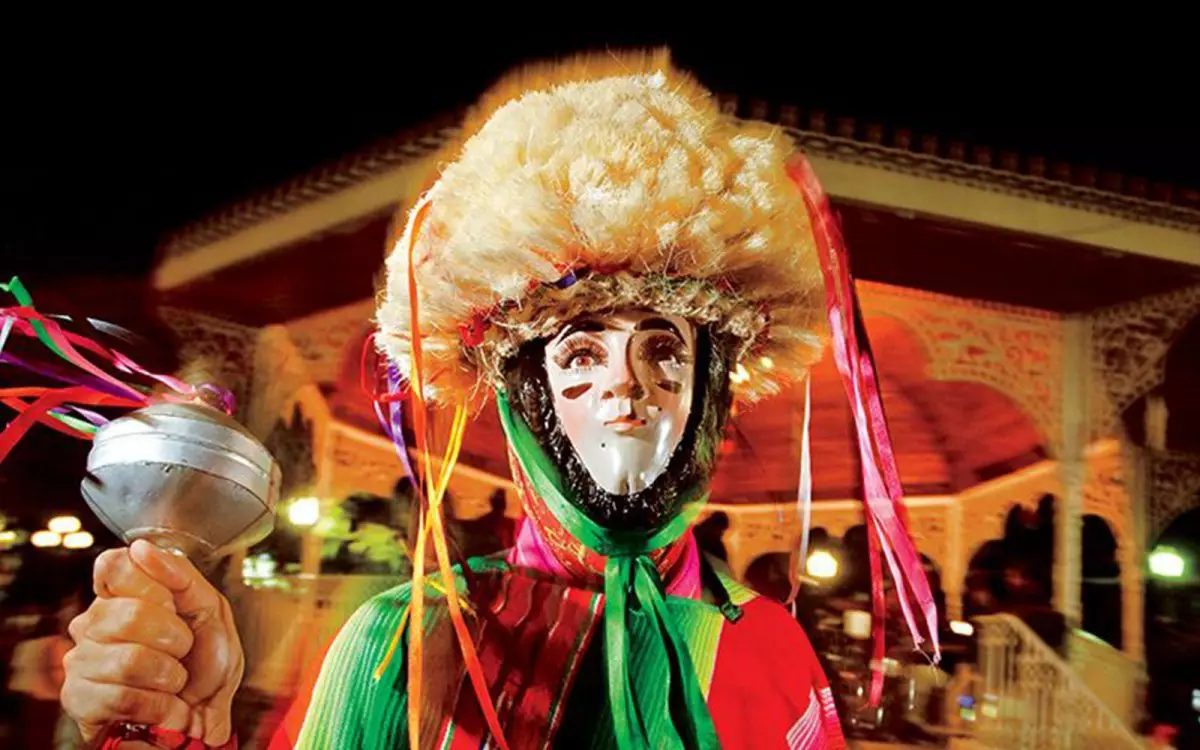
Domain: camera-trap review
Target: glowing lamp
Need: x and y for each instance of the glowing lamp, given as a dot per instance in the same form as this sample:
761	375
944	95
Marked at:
1165	562
45	538
64	524
78	540
304	511
962	627
822	565
857	624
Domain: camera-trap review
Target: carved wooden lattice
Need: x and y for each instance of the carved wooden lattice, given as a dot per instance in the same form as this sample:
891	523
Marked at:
325	340
1016	351
1174	489
1130	343
215	351
291	443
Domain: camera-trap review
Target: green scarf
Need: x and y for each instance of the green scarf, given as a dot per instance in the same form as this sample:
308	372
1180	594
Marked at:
664	707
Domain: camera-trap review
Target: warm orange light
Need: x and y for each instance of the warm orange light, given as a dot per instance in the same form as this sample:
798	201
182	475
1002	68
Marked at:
822	565
45	538
78	540
304	511
64	524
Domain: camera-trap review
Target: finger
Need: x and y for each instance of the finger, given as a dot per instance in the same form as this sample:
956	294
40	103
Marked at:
116	575
126	664
218	725
219	650
133	621
98	703
218	716
195	598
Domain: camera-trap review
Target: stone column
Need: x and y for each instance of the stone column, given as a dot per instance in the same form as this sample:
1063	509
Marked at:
737	547
1156	422
1133	556
1072	463
954	572
1133	564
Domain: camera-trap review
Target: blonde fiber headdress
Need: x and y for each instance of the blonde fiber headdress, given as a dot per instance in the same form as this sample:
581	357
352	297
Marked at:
599	183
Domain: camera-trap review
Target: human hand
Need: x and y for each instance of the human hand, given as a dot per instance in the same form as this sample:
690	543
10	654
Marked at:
158	646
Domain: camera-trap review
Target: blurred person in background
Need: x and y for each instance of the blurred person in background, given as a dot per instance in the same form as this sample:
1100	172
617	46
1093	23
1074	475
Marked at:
50	590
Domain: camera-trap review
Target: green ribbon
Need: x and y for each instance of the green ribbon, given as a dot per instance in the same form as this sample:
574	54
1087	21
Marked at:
18	290
660	704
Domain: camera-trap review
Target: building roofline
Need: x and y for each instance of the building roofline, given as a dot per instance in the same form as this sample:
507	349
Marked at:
850	144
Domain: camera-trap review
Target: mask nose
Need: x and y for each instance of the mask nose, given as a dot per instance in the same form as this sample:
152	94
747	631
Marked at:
624	383
627	388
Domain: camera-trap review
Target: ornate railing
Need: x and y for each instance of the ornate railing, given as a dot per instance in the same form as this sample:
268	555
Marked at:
1117	680
1033	700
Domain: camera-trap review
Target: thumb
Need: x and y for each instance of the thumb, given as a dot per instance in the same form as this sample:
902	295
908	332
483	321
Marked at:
218	717
193	595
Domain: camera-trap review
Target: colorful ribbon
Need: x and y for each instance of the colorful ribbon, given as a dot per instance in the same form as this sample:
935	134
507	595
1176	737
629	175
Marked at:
431	527
887	530
87	385
803	497
639	721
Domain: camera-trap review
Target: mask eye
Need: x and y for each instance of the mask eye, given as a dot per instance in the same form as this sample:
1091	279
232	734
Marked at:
579	355
665	351
582	361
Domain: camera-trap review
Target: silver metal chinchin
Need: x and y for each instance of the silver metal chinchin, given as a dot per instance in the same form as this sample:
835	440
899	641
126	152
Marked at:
184	476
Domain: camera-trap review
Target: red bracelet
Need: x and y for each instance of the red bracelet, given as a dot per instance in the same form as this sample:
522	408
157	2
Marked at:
162	738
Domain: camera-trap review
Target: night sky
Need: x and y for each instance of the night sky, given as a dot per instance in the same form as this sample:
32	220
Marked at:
124	140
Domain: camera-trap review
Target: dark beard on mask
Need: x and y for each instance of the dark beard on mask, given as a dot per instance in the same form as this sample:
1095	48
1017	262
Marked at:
691	465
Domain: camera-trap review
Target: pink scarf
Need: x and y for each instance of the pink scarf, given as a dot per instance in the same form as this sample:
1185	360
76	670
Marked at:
532	551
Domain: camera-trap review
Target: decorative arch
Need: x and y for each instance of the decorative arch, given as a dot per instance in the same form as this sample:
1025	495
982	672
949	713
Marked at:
1101	556
290	441
985	508
1016	351
1106	496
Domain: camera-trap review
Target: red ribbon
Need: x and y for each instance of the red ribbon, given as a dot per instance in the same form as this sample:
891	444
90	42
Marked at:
887	527
44	405
51	398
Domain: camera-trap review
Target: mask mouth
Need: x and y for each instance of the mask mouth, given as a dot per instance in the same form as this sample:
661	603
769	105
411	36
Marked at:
626	424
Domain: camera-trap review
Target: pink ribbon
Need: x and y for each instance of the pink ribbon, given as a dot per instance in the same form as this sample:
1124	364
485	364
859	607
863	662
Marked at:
887	529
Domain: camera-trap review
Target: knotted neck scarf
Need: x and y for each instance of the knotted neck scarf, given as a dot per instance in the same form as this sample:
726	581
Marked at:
661	705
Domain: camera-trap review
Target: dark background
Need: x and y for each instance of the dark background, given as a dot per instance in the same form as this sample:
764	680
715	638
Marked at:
114	132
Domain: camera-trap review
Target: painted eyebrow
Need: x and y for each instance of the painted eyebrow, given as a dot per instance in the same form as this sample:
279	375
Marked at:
594	325
585	326
658	324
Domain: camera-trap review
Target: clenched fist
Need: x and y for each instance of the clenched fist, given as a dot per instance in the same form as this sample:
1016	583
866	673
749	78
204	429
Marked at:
158	646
